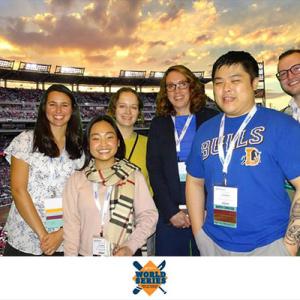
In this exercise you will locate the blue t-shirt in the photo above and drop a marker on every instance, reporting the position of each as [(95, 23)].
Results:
[(186, 143), (267, 153)]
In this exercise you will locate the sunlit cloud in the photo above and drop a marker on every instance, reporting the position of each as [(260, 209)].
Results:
[(6, 46), (122, 53), (105, 36)]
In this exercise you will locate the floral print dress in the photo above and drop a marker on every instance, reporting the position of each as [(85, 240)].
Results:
[(47, 177)]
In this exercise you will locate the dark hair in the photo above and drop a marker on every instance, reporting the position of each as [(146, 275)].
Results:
[(288, 52), (43, 139), (111, 110), (247, 61), (86, 139), (197, 97)]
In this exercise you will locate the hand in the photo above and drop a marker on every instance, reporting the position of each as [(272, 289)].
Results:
[(51, 241), (181, 220), (122, 251)]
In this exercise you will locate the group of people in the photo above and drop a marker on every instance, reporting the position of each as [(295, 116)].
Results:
[(204, 182)]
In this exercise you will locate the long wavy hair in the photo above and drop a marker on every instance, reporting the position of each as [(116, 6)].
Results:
[(111, 110), (86, 139), (197, 92), (43, 139)]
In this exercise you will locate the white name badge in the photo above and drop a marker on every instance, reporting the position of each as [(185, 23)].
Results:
[(182, 171), (225, 206), (53, 212), (101, 247), (183, 208)]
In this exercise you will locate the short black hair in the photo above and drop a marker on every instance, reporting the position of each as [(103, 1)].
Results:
[(86, 139), (248, 62), (288, 52)]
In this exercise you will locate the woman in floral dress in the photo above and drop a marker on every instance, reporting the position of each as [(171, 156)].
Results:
[(41, 160)]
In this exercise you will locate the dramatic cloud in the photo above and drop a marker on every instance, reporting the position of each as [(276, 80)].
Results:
[(59, 5), (157, 43), (103, 24), (202, 39), (97, 58), (105, 36)]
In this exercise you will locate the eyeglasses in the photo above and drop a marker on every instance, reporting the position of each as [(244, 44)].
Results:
[(295, 69), (171, 87)]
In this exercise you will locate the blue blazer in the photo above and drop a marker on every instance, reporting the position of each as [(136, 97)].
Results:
[(162, 162)]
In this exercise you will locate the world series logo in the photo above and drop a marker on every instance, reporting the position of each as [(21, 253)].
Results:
[(149, 277)]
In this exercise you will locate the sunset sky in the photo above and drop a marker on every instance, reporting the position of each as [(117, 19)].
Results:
[(105, 36)]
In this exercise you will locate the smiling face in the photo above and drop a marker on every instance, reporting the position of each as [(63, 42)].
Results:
[(291, 84), (103, 144), (58, 109), (179, 97), (234, 90), (127, 109)]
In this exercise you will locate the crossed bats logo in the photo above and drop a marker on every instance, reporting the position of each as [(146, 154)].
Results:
[(149, 277)]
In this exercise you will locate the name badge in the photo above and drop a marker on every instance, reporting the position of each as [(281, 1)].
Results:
[(182, 171), (101, 247), (183, 208), (225, 206), (54, 213)]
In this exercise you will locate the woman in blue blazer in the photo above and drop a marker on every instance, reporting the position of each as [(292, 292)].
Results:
[(180, 110)]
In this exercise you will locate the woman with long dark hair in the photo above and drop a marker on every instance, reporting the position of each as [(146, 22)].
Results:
[(108, 209), (41, 161)]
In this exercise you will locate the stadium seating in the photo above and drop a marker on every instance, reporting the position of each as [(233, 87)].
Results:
[(22, 104)]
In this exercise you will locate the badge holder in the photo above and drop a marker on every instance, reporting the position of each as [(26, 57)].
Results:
[(101, 246), (225, 205), (182, 207), (182, 171), (53, 213)]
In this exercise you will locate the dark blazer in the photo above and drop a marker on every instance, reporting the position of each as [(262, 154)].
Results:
[(162, 162)]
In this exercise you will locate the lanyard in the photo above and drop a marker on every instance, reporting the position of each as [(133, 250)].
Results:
[(225, 161), (183, 132), (104, 210), (133, 147)]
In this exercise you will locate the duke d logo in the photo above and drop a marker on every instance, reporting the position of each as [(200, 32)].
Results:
[(252, 157), (149, 277)]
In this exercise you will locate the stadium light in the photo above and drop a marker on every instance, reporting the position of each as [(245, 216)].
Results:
[(261, 71), (132, 74), (260, 91), (6, 64), (69, 70), (34, 67), (199, 74), (156, 74)]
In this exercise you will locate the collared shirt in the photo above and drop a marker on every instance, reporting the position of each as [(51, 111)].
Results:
[(295, 110)]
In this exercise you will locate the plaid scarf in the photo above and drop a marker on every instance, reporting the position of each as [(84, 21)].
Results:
[(121, 177)]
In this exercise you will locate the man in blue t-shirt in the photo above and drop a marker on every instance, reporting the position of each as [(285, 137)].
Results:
[(240, 160)]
